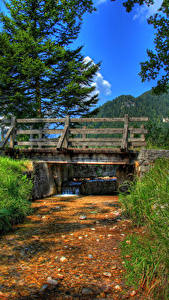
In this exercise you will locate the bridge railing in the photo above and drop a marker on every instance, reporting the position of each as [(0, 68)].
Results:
[(71, 133)]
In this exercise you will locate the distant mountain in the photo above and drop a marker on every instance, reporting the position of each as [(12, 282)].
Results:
[(148, 105)]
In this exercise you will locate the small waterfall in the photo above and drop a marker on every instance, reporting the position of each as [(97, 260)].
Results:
[(72, 188)]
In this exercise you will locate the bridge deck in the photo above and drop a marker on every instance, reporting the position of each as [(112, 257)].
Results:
[(75, 156)]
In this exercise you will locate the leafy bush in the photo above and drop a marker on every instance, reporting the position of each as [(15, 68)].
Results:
[(158, 134), (148, 205), (15, 190)]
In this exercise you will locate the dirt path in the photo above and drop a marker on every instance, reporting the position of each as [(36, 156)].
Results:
[(73, 241)]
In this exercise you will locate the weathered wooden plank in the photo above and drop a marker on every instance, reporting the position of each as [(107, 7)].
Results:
[(137, 130), (38, 131), (138, 144), (81, 120), (85, 162), (97, 144), (94, 140), (132, 140), (12, 135), (40, 120), (96, 130), (124, 143), (43, 140), (38, 144), (63, 139), (138, 119)]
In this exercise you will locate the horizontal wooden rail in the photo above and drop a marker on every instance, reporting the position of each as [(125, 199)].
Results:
[(96, 130), (40, 120), (39, 131), (37, 143), (88, 120)]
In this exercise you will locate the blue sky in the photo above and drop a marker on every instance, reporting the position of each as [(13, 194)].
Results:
[(119, 41)]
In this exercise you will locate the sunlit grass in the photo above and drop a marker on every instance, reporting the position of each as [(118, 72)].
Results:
[(15, 191), (148, 205)]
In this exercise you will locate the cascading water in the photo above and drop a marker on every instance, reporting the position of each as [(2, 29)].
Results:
[(72, 188)]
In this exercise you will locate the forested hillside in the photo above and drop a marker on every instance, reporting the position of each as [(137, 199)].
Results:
[(147, 104)]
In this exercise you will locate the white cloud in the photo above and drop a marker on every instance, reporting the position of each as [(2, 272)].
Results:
[(145, 11), (101, 1), (102, 86)]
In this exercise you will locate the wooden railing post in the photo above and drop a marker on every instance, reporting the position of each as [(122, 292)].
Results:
[(12, 136), (2, 132), (64, 139), (124, 145)]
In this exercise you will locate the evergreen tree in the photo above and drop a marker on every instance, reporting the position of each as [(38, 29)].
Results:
[(39, 74)]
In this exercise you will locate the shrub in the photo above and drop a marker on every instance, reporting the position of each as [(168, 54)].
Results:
[(15, 190), (148, 205)]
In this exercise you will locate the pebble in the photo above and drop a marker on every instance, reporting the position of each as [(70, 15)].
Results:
[(133, 293), (82, 217), (107, 274), (60, 276), (117, 287), (52, 281), (113, 228), (62, 259)]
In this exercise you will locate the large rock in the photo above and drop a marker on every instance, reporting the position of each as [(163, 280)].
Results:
[(98, 187)]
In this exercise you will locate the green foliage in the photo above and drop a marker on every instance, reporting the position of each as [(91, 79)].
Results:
[(15, 191), (148, 205), (155, 107), (158, 134), (39, 74), (146, 105)]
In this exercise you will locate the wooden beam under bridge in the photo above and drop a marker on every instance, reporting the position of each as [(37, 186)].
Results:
[(84, 162)]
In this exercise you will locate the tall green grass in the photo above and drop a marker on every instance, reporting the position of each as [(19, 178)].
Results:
[(148, 205), (15, 191)]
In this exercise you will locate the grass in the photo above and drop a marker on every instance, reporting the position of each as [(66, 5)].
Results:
[(15, 191), (148, 205)]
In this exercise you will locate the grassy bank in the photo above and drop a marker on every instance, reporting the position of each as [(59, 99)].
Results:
[(148, 206), (15, 190)]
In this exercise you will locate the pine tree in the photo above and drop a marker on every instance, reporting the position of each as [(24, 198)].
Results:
[(39, 74)]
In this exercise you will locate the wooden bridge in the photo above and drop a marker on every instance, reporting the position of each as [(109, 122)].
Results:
[(73, 140)]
